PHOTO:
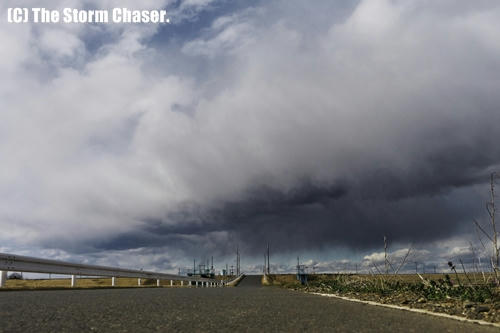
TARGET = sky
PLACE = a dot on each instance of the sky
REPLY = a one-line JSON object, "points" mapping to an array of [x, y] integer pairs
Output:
{"points": [[318, 127]]}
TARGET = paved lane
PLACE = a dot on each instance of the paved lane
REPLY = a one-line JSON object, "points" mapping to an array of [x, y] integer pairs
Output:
{"points": [[248, 308], [251, 281]]}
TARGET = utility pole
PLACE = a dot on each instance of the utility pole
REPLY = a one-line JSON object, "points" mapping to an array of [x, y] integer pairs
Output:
{"points": [[268, 264], [194, 267], [237, 261]]}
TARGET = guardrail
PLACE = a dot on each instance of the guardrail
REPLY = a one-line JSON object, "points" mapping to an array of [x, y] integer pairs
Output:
{"points": [[16, 263]]}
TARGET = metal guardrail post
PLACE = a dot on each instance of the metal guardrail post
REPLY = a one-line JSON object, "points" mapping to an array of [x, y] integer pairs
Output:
{"points": [[73, 281], [3, 278], [113, 281]]}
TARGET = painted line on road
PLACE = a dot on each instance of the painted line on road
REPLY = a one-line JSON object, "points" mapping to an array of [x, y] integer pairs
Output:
{"points": [[397, 307]]}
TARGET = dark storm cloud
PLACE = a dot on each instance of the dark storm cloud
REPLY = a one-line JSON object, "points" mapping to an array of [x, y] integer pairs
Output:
{"points": [[308, 217], [434, 198]]}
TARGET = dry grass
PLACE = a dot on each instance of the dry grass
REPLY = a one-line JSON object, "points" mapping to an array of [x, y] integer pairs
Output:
{"points": [[84, 283], [469, 279], [61, 283], [88, 283], [475, 278]]}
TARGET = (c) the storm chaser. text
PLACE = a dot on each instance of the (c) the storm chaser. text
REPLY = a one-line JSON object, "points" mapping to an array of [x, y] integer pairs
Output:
{"points": [[73, 15]]}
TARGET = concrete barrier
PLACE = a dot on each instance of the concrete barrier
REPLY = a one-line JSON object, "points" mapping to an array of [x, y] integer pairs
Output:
{"points": [[235, 282]]}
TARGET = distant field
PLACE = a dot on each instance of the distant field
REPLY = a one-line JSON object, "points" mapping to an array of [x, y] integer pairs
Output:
{"points": [[475, 278], [80, 283], [86, 283]]}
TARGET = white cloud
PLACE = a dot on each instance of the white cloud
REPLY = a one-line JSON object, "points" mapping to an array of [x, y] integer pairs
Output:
{"points": [[226, 36]]}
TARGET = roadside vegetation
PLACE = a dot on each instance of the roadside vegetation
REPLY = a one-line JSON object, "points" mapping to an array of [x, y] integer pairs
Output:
{"points": [[435, 292]]}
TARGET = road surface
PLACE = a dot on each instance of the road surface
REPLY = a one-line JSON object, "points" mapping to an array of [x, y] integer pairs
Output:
{"points": [[246, 308]]}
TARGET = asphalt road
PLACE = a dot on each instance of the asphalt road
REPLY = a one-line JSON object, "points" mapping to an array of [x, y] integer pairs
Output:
{"points": [[247, 308]]}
